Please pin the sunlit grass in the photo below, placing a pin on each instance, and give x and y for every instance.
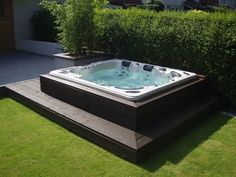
(31, 145)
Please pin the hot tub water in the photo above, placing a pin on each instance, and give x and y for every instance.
(123, 78)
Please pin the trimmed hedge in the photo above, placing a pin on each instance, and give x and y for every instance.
(196, 41)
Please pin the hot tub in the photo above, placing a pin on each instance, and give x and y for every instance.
(123, 78)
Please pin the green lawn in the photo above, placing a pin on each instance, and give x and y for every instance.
(31, 145)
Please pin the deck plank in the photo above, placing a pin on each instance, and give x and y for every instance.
(2, 91)
(130, 144)
(31, 90)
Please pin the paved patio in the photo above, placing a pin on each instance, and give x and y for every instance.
(17, 66)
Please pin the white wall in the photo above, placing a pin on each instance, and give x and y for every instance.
(23, 11)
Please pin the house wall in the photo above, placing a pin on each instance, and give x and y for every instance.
(167, 3)
(7, 41)
(23, 11)
(173, 3)
(230, 3)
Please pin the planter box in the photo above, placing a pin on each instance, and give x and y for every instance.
(38, 47)
(63, 60)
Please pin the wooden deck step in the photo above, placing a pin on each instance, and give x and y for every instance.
(133, 115)
(129, 144)
(2, 91)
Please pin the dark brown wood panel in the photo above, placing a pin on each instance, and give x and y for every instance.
(112, 110)
(2, 91)
(135, 116)
(7, 39)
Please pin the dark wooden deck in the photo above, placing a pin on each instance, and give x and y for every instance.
(2, 91)
(129, 144)
(128, 114)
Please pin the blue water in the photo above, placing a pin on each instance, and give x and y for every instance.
(125, 79)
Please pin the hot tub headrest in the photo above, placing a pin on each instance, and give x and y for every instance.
(148, 67)
(126, 63)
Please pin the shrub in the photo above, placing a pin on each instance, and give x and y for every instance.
(75, 24)
(42, 25)
(197, 41)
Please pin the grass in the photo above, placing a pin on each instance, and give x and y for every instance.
(31, 145)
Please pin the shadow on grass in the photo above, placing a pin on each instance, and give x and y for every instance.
(179, 148)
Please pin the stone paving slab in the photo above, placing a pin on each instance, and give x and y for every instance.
(18, 66)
